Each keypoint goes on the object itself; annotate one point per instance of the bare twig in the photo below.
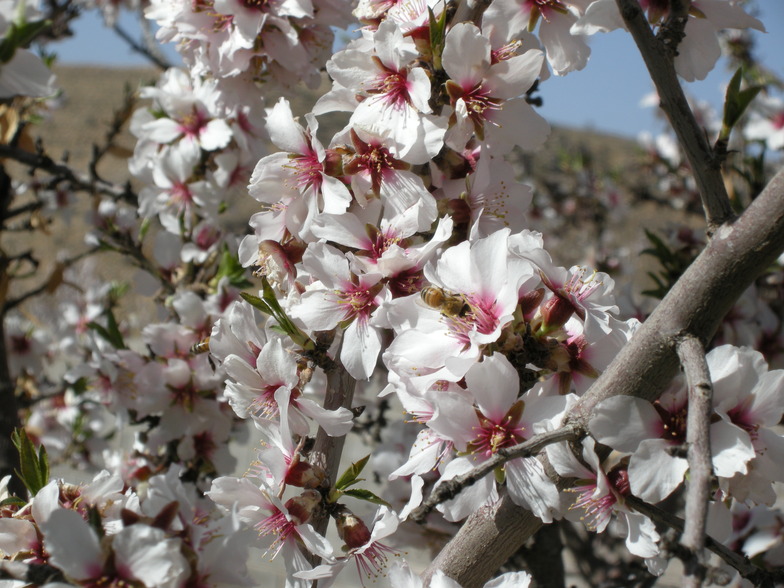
(704, 163)
(143, 49)
(692, 355)
(51, 281)
(451, 488)
(78, 181)
(757, 576)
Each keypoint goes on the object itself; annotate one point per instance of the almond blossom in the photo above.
(699, 51)
(600, 492)
(490, 416)
(565, 50)
(486, 95)
(339, 296)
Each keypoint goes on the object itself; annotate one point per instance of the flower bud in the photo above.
(304, 475)
(555, 312)
(352, 530)
(302, 508)
(530, 302)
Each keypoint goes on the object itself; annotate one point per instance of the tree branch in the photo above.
(451, 488)
(144, 50)
(78, 181)
(327, 451)
(757, 576)
(703, 161)
(739, 252)
(692, 355)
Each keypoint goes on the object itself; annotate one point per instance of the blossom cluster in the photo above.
(396, 248)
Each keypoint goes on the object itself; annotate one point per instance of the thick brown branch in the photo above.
(704, 164)
(692, 356)
(327, 451)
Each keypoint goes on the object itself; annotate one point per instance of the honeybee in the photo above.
(202, 346)
(449, 304)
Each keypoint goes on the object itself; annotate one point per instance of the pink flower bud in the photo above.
(301, 508)
(352, 530)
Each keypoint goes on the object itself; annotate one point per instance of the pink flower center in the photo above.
(372, 560)
(264, 404)
(480, 104)
(360, 301)
(193, 124)
(204, 445)
(307, 171)
(741, 417)
(673, 422)
(505, 52)
(259, 5)
(392, 85)
(492, 436)
(180, 194)
(543, 8)
(206, 237)
(276, 524)
(186, 396)
(20, 344)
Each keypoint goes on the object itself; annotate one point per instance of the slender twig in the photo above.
(704, 163)
(119, 117)
(23, 209)
(691, 353)
(51, 282)
(144, 50)
(757, 576)
(449, 489)
(78, 181)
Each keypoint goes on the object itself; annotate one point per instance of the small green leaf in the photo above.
(256, 302)
(736, 101)
(12, 501)
(111, 332)
(229, 266)
(43, 464)
(34, 468)
(367, 496)
(351, 474)
(268, 304)
(437, 35)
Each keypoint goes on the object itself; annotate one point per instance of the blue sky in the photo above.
(604, 96)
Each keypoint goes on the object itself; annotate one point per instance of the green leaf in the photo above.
(268, 304)
(736, 101)
(367, 496)
(256, 302)
(229, 266)
(12, 501)
(19, 35)
(34, 468)
(437, 35)
(111, 332)
(351, 474)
